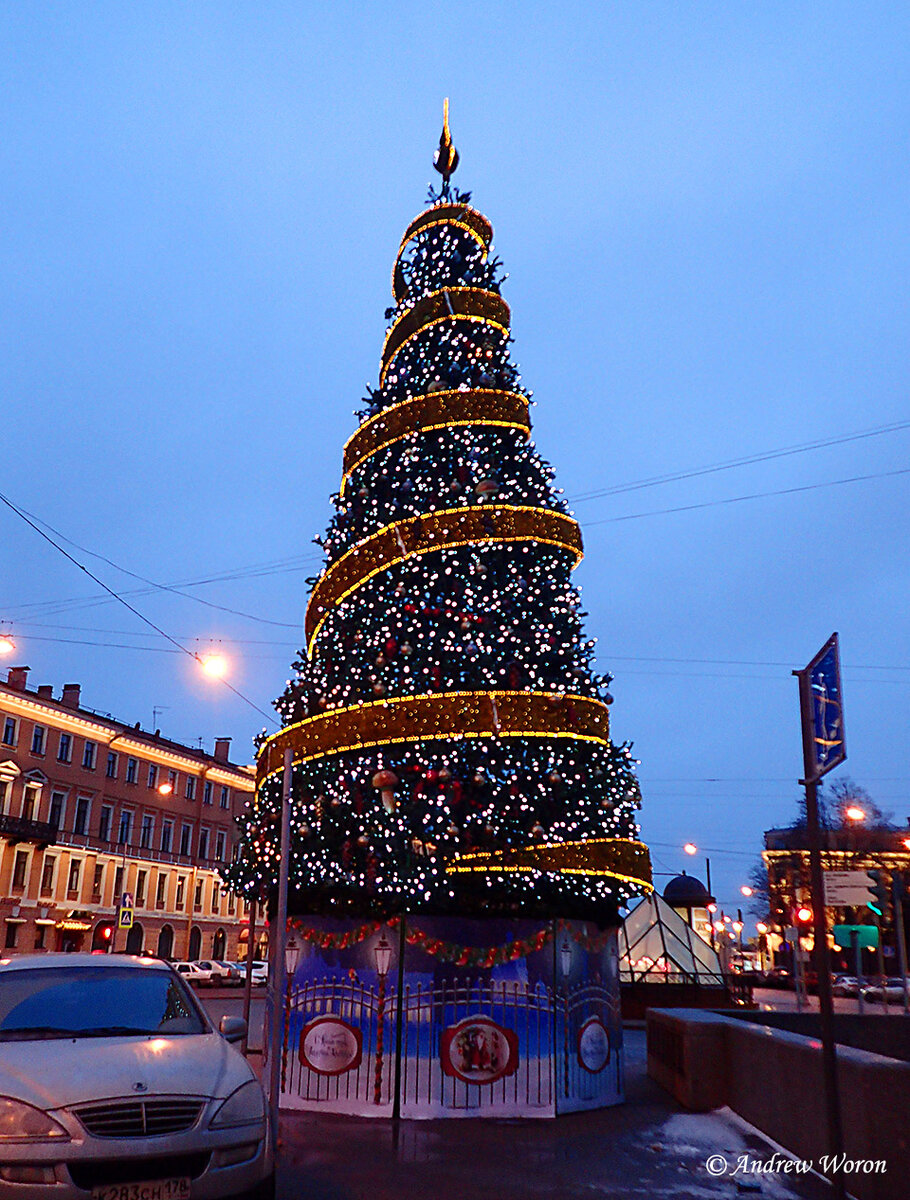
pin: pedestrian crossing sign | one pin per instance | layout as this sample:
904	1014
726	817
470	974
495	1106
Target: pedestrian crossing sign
125	918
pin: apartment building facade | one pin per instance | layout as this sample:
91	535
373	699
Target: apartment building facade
90	809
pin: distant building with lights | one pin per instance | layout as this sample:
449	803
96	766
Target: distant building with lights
91	808
883	850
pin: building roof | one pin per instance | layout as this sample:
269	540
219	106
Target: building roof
685	891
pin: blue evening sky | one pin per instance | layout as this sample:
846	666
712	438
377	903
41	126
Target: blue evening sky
703	210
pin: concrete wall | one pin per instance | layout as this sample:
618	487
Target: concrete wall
773	1079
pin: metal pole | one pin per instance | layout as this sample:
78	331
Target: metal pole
882	978
900	933
399	1022
822	960
858	960
248	982
277	942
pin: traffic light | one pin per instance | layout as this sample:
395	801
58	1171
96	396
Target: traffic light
879	891
802	916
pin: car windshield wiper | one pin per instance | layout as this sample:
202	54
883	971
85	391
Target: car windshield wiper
114	1031
34	1032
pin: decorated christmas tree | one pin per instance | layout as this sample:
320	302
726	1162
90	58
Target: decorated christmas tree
450	736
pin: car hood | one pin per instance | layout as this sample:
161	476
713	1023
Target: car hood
57	1073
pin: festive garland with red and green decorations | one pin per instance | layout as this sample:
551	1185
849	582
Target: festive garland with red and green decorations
461	956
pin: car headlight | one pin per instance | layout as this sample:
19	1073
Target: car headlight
20	1122
242	1107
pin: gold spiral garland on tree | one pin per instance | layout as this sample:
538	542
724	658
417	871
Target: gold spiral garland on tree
434	410
448	304
469	220
445	529
435	716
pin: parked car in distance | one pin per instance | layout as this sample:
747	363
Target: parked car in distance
893	991
260	972
777	977
220	974
845	985
115	1083
231	975
194	974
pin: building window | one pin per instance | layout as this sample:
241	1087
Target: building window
207	792
58	808
96	883
20	867
147	831
186	839
153	776
104	824
30	801
47	874
180	898
225	800
72	883
111	768
118	884
220	844
65	749
89	751
197	900
161	891
12	935
216	899
203	843
232	904
38	739
9	731
132	770
167	834
173	778
6	791
141	877
40	931
80	821
190	788
126	827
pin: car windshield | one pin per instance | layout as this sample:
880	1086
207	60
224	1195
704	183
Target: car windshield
67	1002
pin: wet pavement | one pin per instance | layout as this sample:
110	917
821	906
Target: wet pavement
646	1149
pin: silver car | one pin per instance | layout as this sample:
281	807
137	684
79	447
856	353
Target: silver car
114	1085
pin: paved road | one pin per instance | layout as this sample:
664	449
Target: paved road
228	1002
646	1149
783	1000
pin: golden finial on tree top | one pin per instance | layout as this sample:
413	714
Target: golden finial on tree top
445	160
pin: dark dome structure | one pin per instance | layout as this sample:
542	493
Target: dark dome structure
685	891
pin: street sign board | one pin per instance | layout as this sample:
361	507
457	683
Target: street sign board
848	887
125	918
822	709
866	936
126	900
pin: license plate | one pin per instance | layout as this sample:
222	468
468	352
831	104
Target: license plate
160	1189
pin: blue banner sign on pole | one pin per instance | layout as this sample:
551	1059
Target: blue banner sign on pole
821	701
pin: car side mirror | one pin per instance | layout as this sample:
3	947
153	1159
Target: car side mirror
233	1029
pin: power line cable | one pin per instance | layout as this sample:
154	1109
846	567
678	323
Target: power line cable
135	611
745	460
808	487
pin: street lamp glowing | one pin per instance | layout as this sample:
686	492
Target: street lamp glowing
746	890
165	789
690	848
7	645
761	927
855	814
907	843
214	665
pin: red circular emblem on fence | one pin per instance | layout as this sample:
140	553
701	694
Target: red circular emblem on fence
330	1046
477	1050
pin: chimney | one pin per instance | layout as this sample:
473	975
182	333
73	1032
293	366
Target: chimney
45	691
222	749
70	695
17	677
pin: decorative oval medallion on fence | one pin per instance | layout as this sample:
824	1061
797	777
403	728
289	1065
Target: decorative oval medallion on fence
593	1045
330	1046
477	1050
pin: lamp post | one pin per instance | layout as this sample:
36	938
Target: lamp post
565	963
382	953
293	952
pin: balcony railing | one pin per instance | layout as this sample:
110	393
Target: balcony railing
21	829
